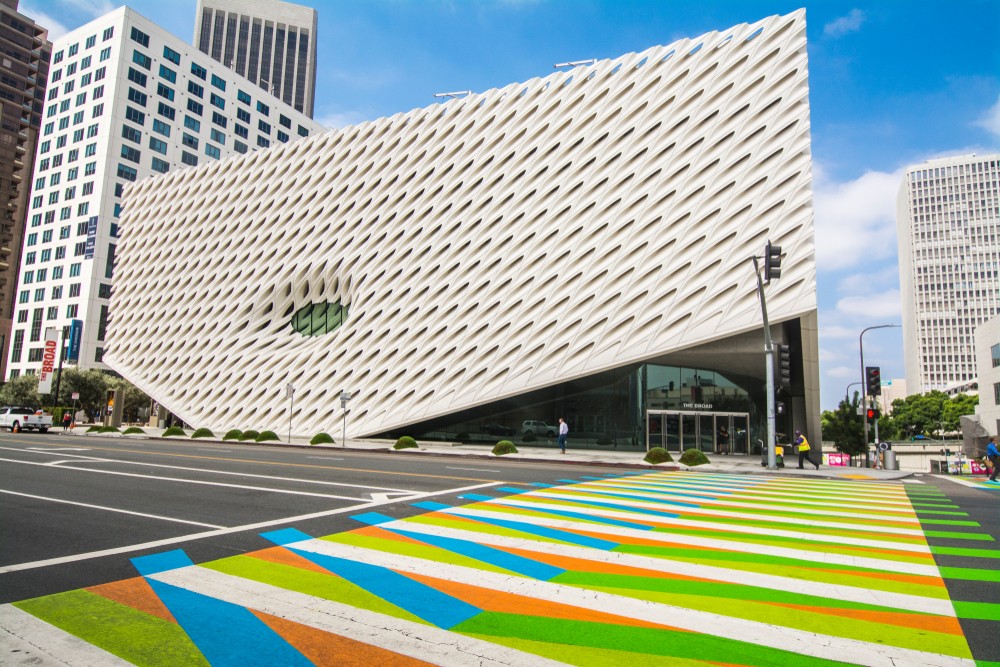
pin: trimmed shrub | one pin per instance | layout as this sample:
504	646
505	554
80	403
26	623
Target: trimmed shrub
658	455
462	436
267	435
249	435
604	441
233	434
528	437
172	431
108	429
134	430
321	439
504	447
405	442
693	457
203	433
94	428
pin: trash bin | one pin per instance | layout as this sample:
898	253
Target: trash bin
889	459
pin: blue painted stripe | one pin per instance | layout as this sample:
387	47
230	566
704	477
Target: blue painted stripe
431	505
488	554
419	599
476	497
589	477
511	489
543	531
542	485
227	634
286	536
590	517
569	481
372	518
156	563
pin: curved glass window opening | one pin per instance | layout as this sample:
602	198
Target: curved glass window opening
318	319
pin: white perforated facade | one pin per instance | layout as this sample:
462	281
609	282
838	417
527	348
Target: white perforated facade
483	248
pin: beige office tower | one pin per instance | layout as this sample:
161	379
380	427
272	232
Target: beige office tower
948	225
272	43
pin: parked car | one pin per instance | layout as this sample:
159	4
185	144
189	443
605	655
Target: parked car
496	429
535	427
22	418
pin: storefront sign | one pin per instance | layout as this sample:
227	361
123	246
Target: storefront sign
837	459
696	406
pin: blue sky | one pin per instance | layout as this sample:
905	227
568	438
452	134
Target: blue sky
892	83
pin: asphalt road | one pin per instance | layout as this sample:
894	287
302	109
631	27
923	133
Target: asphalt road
77	508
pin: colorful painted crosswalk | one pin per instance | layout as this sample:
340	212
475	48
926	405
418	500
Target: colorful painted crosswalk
656	568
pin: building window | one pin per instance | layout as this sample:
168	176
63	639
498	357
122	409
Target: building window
189	141
128	173
317	319
195	107
218	137
189	159
263	108
219	119
74	269
199	71
218	83
137	97
131	154
285	121
139	36
240	147
264	127
243	115
165	91
161	166
158	145
196	89
995	356
91	41
18	345
263	142
134	115
217	101
282	136
72	310
171	55
141	59
212	151
166	110
103	291
192	123
168	74
135	76
105	54
132	134
243	97
161	128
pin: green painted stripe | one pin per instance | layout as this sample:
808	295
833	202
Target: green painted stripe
942	512
947	506
980	611
130	634
959	551
970	574
948	522
951	535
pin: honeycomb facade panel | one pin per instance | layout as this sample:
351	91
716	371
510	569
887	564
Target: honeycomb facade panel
481	248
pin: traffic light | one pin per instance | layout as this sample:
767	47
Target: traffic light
784	366
772	261
873	378
872	414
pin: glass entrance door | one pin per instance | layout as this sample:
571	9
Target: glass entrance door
712	432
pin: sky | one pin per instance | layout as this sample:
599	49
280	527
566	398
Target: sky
892	83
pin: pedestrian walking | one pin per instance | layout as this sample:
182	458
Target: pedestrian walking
723	438
993	459
67	419
563	434
802	445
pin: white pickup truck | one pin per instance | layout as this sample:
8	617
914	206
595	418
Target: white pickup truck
21	418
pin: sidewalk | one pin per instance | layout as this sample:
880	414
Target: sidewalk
732	464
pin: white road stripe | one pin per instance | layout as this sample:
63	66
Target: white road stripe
235	529
718	573
417	640
789	639
111	509
35	642
475	469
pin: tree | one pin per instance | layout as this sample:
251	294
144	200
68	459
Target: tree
844	427
91	384
958	407
22	390
132	398
932	413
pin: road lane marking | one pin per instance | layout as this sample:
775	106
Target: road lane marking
55	449
298	480
325	458
111	509
476	469
206	449
235	529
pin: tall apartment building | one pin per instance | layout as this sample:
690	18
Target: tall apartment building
126	100
24	69
948	225
272	43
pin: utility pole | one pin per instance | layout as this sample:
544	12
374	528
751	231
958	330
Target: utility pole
772	269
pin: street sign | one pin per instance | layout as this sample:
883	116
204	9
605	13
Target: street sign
75	396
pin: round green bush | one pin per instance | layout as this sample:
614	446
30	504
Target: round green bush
109	429
504	447
233	434
267	435
604	441
693	457
94	428
405	443
250	435
658	455
321	439
528	437
203	433
134	430
172	431
462	436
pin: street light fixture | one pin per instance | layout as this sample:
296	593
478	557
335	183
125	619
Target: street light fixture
575	63
861	347
455	94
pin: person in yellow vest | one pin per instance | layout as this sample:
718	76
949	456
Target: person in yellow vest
802	445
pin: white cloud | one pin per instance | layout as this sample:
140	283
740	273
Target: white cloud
843	372
68	10
56	28
856	220
845	24
335	120
874	305
990	121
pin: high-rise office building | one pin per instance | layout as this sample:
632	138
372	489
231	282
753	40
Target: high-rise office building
126	100
272	43
24	60
948	225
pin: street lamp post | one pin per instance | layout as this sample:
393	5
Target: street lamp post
864	388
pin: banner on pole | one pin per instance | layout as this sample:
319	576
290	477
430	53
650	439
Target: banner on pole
50	355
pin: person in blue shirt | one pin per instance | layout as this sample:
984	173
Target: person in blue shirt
994	457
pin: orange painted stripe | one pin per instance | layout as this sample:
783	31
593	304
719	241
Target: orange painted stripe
488	599
916	579
326	648
383	534
583	565
283	556
135	593
927	622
